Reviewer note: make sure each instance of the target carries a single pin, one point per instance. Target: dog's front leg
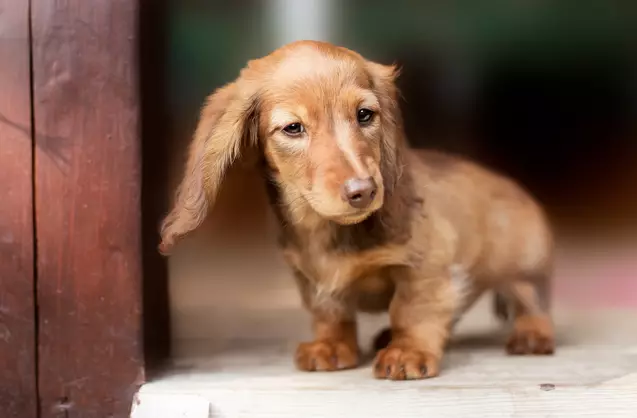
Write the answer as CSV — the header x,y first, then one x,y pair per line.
x,y
421,313
335,345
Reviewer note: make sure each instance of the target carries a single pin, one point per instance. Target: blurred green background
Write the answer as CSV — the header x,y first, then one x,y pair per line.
x,y
543,90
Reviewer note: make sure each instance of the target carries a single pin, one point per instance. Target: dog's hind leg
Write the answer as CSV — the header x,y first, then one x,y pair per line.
x,y
533,331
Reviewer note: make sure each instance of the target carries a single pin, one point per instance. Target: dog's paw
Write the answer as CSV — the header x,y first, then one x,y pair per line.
x,y
401,362
531,335
326,355
530,342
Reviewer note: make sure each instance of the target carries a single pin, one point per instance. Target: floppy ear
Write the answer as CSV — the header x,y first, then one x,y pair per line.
x,y
393,140
227,124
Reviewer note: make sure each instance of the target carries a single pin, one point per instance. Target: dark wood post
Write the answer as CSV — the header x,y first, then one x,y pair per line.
x,y
18,397
88,217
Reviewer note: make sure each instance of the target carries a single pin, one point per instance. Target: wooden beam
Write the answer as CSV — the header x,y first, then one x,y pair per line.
x,y
88,220
18,397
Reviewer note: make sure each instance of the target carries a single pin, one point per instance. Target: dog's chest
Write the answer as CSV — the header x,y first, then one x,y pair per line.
x,y
328,267
334,256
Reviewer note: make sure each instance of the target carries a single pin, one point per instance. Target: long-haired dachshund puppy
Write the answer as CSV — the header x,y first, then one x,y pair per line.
x,y
366,223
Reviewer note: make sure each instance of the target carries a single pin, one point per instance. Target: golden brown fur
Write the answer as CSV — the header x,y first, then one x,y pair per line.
x,y
438,233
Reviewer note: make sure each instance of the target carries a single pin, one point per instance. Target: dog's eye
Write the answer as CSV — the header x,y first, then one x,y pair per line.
x,y
364,116
294,129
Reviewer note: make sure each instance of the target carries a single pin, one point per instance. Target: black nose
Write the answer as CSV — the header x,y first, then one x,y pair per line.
x,y
359,193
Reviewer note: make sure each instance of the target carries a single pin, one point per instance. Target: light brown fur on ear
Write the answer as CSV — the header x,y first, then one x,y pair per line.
x,y
392,142
226,125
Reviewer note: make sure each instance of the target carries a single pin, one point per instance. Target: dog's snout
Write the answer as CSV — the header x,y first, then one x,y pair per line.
x,y
359,193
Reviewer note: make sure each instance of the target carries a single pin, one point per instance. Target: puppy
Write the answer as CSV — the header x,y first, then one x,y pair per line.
x,y
366,223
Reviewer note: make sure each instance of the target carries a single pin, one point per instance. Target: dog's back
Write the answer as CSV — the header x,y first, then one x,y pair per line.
x,y
504,229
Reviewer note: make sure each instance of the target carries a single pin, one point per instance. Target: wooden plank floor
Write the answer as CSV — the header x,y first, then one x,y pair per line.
x,y
594,373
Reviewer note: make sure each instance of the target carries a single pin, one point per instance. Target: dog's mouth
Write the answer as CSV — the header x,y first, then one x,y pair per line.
x,y
351,219
339,212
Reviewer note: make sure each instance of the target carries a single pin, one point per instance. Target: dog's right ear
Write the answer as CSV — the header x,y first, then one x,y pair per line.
x,y
227,124
393,139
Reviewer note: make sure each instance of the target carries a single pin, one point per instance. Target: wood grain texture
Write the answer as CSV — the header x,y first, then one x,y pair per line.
x,y
593,373
18,396
88,221
405,402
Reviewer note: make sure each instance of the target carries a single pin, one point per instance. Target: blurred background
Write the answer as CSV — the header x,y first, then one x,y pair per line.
x,y
545,91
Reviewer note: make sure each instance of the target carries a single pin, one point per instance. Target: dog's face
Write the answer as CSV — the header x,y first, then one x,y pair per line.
x,y
321,129
327,121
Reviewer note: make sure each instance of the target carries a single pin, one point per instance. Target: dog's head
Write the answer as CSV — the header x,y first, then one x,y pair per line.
x,y
327,122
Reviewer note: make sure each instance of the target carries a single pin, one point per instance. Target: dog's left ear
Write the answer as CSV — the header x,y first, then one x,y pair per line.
x,y
228,124
384,84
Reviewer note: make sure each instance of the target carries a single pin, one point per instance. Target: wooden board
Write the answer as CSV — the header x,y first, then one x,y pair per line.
x,y
18,397
594,373
88,221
